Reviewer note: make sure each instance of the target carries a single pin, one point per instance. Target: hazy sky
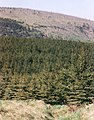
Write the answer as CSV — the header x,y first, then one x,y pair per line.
x,y
80,8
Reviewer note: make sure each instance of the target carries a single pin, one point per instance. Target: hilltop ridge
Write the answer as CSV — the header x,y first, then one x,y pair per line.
x,y
50,24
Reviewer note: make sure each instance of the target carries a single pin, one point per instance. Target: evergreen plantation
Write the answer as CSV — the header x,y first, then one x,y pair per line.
x,y
56,71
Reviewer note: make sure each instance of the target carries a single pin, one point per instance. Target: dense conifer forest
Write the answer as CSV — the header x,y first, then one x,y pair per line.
x,y
56,71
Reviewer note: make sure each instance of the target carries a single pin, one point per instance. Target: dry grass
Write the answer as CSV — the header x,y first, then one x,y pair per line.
x,y
85,112
24,110
38,110
88,112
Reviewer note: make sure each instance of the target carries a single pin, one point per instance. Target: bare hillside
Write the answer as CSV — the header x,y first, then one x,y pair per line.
x,y
52,24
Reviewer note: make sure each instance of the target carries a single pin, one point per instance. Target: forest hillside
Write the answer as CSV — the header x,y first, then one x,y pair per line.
x,y
59,73
46,66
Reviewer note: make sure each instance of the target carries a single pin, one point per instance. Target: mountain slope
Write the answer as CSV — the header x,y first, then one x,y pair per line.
x,y
10,27
52,24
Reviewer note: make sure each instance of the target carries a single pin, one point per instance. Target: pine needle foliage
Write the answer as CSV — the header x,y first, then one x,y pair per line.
x,y
56,71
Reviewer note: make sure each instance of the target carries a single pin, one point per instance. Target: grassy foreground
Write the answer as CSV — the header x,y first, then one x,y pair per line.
x,y
38,110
